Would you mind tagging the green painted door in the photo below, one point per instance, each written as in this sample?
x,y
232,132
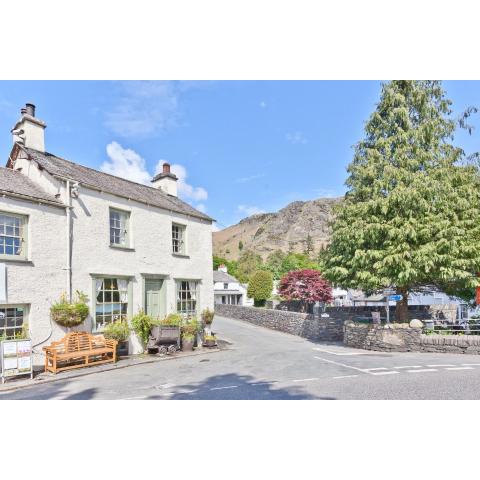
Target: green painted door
x,y
154,298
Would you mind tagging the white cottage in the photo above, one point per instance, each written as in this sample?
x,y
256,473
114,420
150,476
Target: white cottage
x,y
66,227
228,290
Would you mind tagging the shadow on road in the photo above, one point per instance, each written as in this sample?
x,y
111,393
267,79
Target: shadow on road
x,y
235,387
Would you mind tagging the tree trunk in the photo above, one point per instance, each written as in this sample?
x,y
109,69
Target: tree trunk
x,y
401,309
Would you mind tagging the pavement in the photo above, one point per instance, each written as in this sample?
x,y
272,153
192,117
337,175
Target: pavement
x,y
265,364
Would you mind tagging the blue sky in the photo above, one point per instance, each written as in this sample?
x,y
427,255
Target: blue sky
x,y
238,147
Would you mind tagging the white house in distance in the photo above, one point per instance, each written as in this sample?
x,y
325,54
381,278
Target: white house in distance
x,y
228,290
65,227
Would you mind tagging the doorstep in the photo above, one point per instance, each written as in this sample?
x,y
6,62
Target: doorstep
x,y
124,362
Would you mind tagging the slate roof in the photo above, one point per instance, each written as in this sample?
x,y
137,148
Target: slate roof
x,y
111,184
16,183
219,276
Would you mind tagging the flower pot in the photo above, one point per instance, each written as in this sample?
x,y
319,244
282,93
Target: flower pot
x,y
187,345
122,349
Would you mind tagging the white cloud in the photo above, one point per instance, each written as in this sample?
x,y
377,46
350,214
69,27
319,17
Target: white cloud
x,y
296,138
201,208
250,178
215,227
263,104
249,210
126,163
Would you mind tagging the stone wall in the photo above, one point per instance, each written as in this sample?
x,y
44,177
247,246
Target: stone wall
x,y
304,325
403,338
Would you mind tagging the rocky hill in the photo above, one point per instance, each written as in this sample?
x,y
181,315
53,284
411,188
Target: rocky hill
x,y
287,229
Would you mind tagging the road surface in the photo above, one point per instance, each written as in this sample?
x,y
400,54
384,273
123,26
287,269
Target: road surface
x,y
265,364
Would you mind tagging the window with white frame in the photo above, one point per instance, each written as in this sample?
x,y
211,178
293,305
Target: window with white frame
x,y
111,301
187,297
178,238
225,286
12,319
119,227
13,236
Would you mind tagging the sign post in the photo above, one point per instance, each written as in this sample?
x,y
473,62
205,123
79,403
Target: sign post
x,y
16,358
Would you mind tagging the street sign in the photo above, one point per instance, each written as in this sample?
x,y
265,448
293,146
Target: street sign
x,y
394,298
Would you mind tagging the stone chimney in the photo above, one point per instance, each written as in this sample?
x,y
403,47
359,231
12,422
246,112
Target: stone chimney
x,y
166,180
223,268
29,130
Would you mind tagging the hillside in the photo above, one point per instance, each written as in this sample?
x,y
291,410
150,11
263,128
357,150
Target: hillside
x,y
284,230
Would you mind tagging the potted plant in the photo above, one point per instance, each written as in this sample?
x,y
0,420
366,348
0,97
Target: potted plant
x,y
70,314
119,331
207,317
210,341
190,329
142,324
187,342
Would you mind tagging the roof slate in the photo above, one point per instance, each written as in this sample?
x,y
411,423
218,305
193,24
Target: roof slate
x,y
15,182
219,276
111,184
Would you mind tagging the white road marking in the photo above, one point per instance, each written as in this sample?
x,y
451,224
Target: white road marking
x,y
444,365
341,354
423,370
460,368
262,383
471,364
306,379
346,376
224,388
391,372
377,368
164,386
409,366
343,365
135,398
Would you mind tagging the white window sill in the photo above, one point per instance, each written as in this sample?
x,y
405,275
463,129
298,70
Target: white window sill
x,y
180,255
15,260
121,247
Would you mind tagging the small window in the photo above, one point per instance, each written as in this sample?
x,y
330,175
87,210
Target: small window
x,y
13,243
178,239
225,286
187,298
111,301
119,226
11,321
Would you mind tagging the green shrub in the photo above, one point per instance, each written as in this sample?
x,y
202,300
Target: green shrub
x,y
172,319
70,314
118,330
142,324
260,286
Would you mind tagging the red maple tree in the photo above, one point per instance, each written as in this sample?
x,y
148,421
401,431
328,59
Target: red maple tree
x,y
307,286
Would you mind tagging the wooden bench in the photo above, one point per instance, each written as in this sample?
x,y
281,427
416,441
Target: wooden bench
x,y
78,350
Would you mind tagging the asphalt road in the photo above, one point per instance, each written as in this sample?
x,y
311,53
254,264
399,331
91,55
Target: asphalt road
x,y
264,364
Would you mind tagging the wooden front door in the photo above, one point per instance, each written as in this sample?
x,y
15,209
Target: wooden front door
x,y
154,298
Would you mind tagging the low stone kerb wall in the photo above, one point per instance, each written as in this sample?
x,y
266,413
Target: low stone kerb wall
x,y
403,338
304,325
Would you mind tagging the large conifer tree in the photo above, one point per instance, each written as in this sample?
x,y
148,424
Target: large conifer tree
x,y
411,215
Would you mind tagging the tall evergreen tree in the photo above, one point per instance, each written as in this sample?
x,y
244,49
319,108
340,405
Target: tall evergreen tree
x,y
411,215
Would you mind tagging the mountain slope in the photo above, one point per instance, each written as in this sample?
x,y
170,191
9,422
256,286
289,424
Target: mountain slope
x,y
284,230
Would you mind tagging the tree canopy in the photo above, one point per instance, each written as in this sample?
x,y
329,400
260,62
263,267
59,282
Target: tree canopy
x,y
307,286
260,286
411,215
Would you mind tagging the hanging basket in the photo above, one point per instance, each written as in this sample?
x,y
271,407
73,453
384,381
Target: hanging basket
x,y
69,314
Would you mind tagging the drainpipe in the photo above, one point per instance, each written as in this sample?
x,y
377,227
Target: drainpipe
x,y
69,242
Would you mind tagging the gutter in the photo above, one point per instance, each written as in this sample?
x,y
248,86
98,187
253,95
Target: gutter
x,y
69,242
28,198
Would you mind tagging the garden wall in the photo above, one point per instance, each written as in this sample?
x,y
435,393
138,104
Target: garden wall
x,y
304,325
403,338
